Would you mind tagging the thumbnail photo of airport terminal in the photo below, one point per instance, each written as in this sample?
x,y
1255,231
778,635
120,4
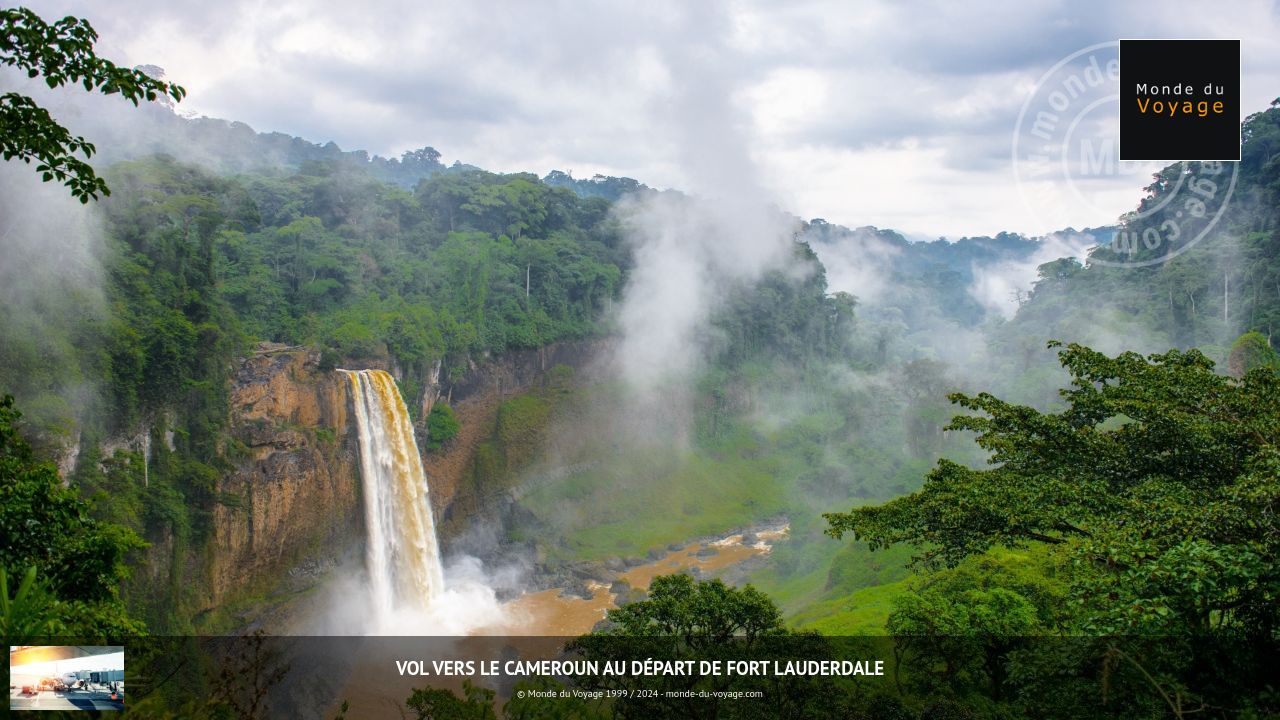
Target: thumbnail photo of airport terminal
x,y
66,677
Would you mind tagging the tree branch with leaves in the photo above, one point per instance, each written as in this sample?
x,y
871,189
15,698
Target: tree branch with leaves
x,y
62,53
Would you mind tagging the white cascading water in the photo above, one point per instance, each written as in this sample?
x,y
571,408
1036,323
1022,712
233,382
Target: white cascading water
x,y
403,556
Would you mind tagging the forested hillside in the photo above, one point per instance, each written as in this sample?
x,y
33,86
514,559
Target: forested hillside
x,y
201,265
1206,297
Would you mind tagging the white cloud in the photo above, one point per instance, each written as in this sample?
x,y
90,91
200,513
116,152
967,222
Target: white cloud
x,y
892,114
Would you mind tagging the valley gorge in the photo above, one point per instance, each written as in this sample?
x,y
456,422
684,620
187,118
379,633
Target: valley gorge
x,y
292,509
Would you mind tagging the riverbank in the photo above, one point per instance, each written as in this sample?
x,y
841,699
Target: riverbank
x,y
576,608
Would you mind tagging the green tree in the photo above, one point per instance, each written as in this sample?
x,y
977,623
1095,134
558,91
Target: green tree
x,y
62,53
702,614
1155,486
688,620
954,630
47,530
476,703
1156,477
442,424
1251,350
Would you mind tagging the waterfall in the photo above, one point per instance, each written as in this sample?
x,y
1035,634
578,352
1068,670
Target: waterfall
x,y
403,557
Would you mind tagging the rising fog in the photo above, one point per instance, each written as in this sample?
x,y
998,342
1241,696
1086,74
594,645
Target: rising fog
x,y
51,297
688,250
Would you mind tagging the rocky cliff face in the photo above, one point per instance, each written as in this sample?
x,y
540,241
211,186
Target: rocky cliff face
x,y
296,497
475,398
294,506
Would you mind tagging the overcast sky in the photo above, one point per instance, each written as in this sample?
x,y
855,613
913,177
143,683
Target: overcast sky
x,y
894,114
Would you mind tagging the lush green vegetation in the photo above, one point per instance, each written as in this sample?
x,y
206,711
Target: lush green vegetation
x,y
1206,297
429,703
442,425
469,262
624,494
685,620
1140,505
60,569
199,266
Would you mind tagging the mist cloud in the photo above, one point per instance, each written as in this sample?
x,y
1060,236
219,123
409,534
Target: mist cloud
x,y
51,292
998,286
688,249
859,263
50,242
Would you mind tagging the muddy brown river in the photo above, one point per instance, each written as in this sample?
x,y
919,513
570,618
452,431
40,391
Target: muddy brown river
x,y
537,624
551,613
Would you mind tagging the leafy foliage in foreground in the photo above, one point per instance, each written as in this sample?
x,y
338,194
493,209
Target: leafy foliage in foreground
x,y
429,703
1149,496
1155,477
61,53
64,567
687,620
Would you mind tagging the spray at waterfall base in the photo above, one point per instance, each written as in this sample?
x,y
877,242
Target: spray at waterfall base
x,y
407,590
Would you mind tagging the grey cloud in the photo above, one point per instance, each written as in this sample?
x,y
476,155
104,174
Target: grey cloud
x,y
524,86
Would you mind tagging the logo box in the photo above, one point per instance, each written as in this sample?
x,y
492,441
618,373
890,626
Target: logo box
x,y
1179,100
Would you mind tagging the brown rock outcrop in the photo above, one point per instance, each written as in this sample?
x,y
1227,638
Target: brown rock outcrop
x,y
295,500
